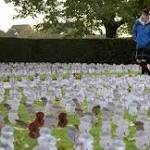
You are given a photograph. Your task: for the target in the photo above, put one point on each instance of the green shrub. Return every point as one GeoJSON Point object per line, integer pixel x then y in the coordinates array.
{"type": "Point", "coordinates": [110, 51]}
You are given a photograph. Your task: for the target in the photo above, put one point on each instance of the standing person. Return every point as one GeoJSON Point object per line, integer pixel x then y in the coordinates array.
{"type": "Point", "coordinates": [141, 35]}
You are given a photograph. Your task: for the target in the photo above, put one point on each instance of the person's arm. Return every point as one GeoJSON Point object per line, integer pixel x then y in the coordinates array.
{"type": "Point", "coordinates": [134, 31]}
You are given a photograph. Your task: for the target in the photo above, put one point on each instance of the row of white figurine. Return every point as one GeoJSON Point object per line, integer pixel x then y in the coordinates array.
{"type": "Point", "coordinates": [26, 69]}
{"type": "Point", "coordinates": [129, 100]}
{"type": "Point", "coordinates": [89, 84]}
{"type": "Point", "coordinates": [83, 140]}
{"type": "Point", "coordinates": [117, 116]}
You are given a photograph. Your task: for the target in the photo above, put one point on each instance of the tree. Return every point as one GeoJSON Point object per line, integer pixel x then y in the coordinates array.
{"type": "Point", "coordinates": [83, 15]}
{"type": "Point", "coordinates": [2, 33]}
{"type": "Point", "coordinates": [110, 13]}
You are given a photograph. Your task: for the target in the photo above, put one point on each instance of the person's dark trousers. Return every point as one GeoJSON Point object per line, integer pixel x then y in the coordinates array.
{"type": "Point", "coordinates": [143, 58]}
{"type": "Point", "coordinates": [144, 67]}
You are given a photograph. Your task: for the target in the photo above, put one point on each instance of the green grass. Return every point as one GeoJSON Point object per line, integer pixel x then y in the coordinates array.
{"type": "Point", "coordinates": [84, 105]}
{"type": "Point", "coordinates": [22, 111]}
{"type": "Point", "coordinates": [54, 76]}
{"type": "Point", "coordinates": [63, 142]}
{"type": "Point", "coordinates": [43, 77]}
{"type": "Point", "coordinates": [95, 132]}
{"type": "Point", "coordinates": [22, 140]}
{"type": "Point", "coordinates": [113, 129]}
{"type": "Point", "coordinates": [73, 120]}
{"type": "Point", "coordinates": [4, 110]}
{"type": "Point", "coordinates": [129, 140]}
{"type": "Point", "coordinates": [148, 113]}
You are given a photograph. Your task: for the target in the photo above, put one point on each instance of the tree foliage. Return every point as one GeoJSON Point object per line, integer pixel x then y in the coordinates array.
{"type": "Point", "coordinates": [82, 16]}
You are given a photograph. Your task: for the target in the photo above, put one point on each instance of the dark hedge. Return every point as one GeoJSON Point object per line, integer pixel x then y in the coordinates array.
{"type": "Point", "coordinates": [111, 51]}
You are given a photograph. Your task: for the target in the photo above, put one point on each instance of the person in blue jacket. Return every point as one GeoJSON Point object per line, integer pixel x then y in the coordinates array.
{"type": "Point", "coordinates": [141, 35]}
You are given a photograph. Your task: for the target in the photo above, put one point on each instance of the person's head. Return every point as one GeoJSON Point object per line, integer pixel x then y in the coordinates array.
{"type": "Point", "coordinates": [145, 14]}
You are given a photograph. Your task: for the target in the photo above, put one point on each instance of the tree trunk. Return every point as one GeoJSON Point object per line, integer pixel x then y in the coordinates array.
{"type": "Point", "coordinates": [111, 30]}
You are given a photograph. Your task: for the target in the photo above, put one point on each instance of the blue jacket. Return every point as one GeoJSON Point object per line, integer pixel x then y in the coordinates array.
{"type": "Point", "coordinates": [141, 34]}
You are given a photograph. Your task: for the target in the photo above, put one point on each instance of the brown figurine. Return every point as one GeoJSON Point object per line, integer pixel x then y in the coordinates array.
{"type": "Point", "coordinates": [62, 120]}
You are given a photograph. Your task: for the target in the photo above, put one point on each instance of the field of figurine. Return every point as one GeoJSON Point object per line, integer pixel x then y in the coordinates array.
{"type": "Point", "coordinates": [58, 106]}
